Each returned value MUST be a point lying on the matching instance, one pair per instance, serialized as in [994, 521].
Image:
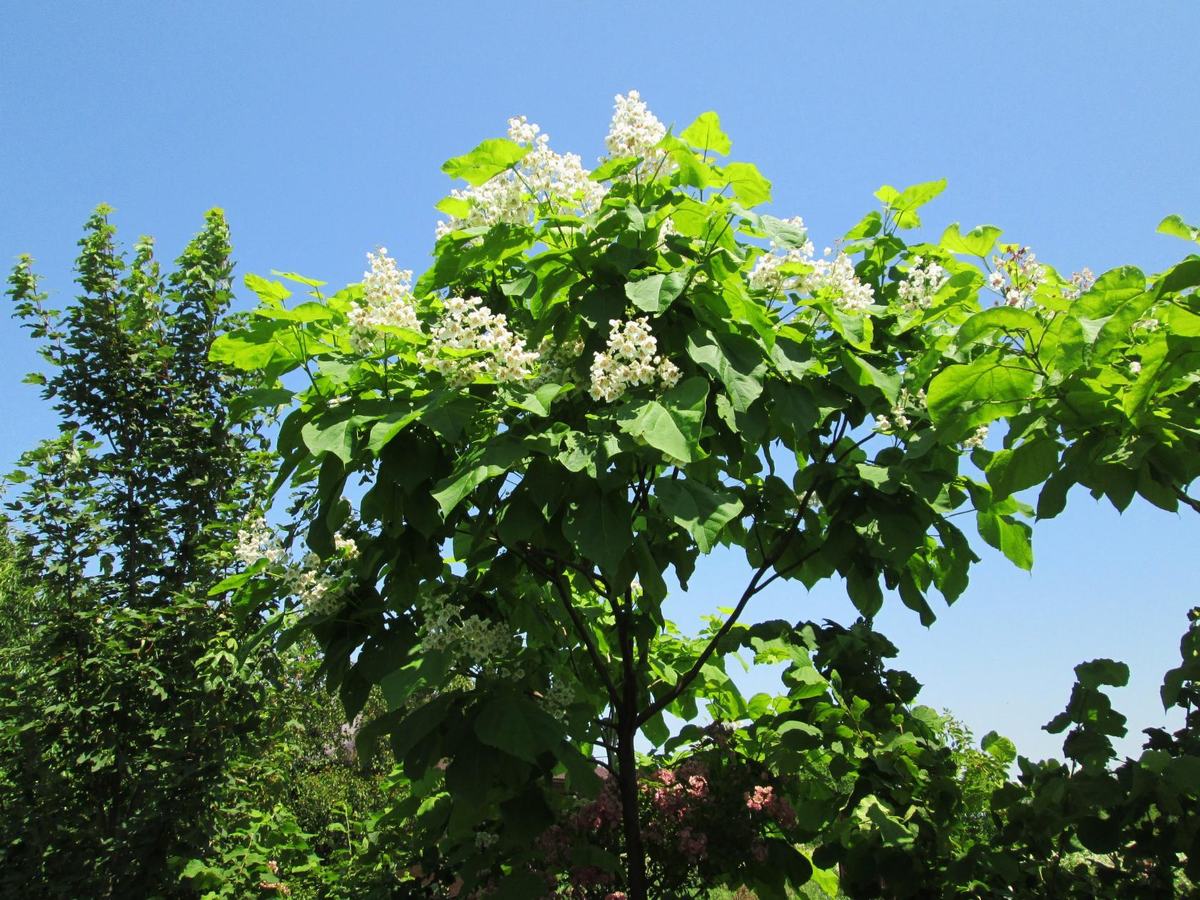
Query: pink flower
[693, 846]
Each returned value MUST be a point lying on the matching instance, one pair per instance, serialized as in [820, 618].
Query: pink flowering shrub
[707, 815]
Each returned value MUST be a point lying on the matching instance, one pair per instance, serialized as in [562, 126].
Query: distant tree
[122, 691]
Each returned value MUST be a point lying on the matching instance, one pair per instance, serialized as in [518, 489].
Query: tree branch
[1190, 501]
[754, 587]
[564, 592]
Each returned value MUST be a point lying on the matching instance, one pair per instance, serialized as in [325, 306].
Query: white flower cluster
[387, 302]
[513, 195]
[1081, 282]
[314, 583]
[766, 274]
[976, 439]
[921, 283]
[556, 359]
[256, 541]
[839, 279]
[1017, 276]
[485, 840]
[315, 588]
[558, 697]
[468, 325]
[899, 419]
[630, 360]
[347, 547]
[634, 131]
[483, 645]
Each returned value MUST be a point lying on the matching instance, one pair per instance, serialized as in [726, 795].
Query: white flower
[485, 840]
[1135, 367]
[766, 274]
[387, 302]
[468, 325]
[558, 697]
[630, 360]
[976, 439]
[543, 176]
[255, 541]
[345, 546]
[838, 279]
[882, 423]
[1023, 272]
[480, 644]
[634, 131]
[921, 283]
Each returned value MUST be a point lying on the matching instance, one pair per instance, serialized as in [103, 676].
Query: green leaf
[519, 886]
[919, 194]
[270, 292]
[867, 375]
[518, 726]
[749, 186]
[1101, 672]
[1111, 290]
[784, 234]
[537, 401]
[1173, 225]
[705, 134]
[700, 510]
[999, 748]
[614, 168]
[455, 207]
[1028, 465]
[869, 226]
[672, 423]
[996, 318]
[692, 171]
[979, 241]
[905, 203]
[736, 360]
[863, 587]
[391, 425]
[254, 347]
[581, 769]
[989, 379]
[1010, 537]
[426, 671]
[336, 437]
[599, 525]
[486, 161]
[299, 279]
[654, 294]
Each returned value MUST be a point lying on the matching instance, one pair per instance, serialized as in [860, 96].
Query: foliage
[122, 697]
[603, 377]
[300, 814]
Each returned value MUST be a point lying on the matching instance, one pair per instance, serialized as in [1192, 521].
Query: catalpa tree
[606, 375]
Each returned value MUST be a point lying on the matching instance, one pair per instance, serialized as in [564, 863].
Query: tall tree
[128, 698]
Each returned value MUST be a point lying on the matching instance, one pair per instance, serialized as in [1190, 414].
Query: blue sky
[320, 128]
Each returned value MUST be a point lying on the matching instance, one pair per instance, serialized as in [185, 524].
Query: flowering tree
[604, 376]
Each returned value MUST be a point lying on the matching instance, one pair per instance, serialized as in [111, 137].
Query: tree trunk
[635, 851]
